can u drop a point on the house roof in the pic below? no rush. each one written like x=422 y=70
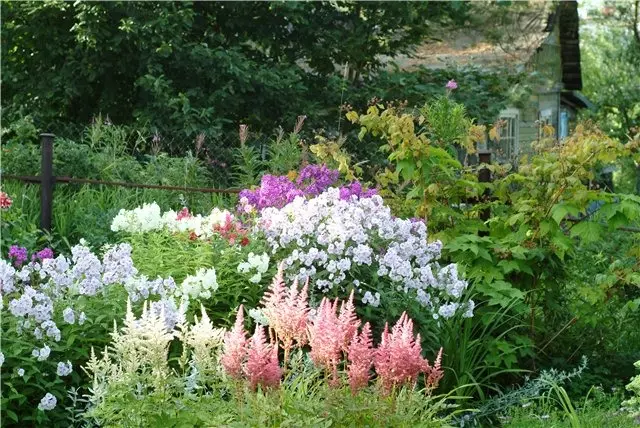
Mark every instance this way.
x=520 y=38
x=569 y=23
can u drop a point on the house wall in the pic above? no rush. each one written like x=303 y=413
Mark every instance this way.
x=544 y=104
x=528 y=125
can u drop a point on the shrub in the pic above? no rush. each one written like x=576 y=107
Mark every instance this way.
x=633 y=404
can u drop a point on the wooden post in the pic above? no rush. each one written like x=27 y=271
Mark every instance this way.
x=484 y=176
x=46 y=181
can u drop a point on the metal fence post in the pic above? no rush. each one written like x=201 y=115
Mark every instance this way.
x=484 y=176
x=46 y=181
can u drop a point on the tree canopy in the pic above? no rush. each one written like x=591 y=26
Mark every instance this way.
x=192 y=67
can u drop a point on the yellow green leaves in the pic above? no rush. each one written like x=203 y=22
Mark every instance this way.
x=352 y=116
x=333 y=155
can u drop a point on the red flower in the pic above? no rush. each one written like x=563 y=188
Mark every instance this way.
x=5 y=201
x=184 y=213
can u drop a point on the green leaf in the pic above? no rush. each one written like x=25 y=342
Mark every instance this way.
x=588 y=231
x=12 y=415
x=560 y=211
x=406 y=169
x=516 y=218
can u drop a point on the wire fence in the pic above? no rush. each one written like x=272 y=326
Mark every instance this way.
x=47 y=181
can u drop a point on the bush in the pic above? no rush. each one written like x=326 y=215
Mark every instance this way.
x=633 y=404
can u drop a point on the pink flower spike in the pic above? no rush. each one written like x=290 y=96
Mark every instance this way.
x=287 y=310
x=398 y=360
x=326 y=338
x=435 y=373
x=348 y=321
x=360 y=359
x=451 y=85
x=234 y=347
x=262 y=366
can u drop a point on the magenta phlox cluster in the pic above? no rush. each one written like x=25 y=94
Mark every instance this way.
x=312 y=180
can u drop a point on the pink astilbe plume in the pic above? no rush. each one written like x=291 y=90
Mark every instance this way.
x=435 y=374
x=287 y=311
x=398 y=360
x=348 y=321
x=326 y=338
x=262 y=366
x=360 y=357
x=235 y=347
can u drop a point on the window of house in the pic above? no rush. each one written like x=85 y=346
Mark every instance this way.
x=509 y=134
x=545 y=118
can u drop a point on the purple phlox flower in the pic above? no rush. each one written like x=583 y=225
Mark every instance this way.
x=355 y=189
x=46 y=253
x=315 y=179
x=452 y=84
x=18 y=254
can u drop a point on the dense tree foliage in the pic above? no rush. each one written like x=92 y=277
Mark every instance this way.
x=190 y=67
x=611 y=59
x=610 y=44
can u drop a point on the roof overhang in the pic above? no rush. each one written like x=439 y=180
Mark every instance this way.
x=576 y=100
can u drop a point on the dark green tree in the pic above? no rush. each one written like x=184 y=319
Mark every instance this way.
x=189 y=67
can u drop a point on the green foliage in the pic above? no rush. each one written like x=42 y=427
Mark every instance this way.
x=596 y=410
x=480 y=349
x=163 y=254
x=248 y=166
x=610 y=60
x=104 y=152
x=532 y=389
x=484 y=93
x=285 y=153
x=514 y=245
x=21 y=395
x=633 y=404
x=189 y=68
x=86 y=211
x=237 y=288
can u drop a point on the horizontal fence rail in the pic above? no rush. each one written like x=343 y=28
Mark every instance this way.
x=47 y=180
x=36 y=179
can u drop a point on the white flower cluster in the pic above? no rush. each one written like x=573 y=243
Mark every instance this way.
x=64 y=369
x=257 y=263
x=149 y=217
x=141 y=288
x=48 y=402
x=41 y=295
x=198 y=286
x=334 y=240
x=138 y=354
